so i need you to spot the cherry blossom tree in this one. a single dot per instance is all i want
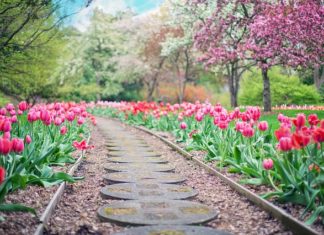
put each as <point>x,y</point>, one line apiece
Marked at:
<point>288,33</point>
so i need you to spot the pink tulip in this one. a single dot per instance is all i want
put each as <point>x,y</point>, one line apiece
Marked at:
<point>199,117</point>
<point>5,146</point>
<point>222,125</point>
<point>267,164</point>
<point>6,135</point>
<point>183,125</point>
<point>80,120</point>
<point>263,126</point>
<point>63,130</point>
<point>23,106</point>
<point>248,131</point>
<point>28,139</point>
<point>17,145</point>
<point>285,144</point>
<point>6,126</point>
<point>57,121</point>
<point>3,111</point>
<point>10,107</point>
<point>70,116</point>
<point>14,119</point>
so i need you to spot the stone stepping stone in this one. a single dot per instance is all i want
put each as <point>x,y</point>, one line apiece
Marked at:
<point>172,230</point>
<point>132,154</point>
<point>129,148</point>
<point>124,143</point>
<point>156,212</point>
<point>136,177</point>
<point>138,167</point>
<point>147,191</point>
<point>137,159</point>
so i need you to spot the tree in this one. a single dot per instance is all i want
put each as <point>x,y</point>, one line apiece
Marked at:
<point>286,33</point>
<point>267,32</point>
<point>178,47</point>
<point>220,36</point>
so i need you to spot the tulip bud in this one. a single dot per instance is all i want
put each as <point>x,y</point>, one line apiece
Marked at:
<point>63,130</point>
<point>267,164</point>
<point>28,139</point>
<point>80,120</point>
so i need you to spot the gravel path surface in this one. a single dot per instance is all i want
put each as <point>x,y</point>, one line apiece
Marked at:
<point>77,211</point>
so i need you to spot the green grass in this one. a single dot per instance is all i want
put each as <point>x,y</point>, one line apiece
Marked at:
<point>274,123</point>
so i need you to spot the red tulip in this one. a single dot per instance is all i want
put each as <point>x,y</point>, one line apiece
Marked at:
<point>2,174</point>
<point>17,145</point>
<point>82,145</point>
<point>299,121</point>
<point>299,140</point>
<point>282,132</point>
<point>222,125</point>
<point>5,146</point>
<point>313,120</point>
<point>267,164</point>
<point>318,135</point>
<point>285,144</point>
<point>263,126</point>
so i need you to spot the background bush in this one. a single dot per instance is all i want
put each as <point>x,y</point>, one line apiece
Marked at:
<point>285,89</point>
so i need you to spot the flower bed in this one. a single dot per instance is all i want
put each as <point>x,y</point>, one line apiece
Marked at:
<point>289,159</point>
<point>33,140</point>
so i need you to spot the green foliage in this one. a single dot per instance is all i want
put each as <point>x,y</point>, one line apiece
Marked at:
<point>285,89</point>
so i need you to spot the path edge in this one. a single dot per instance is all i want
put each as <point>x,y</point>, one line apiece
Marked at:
<point>46,215</point>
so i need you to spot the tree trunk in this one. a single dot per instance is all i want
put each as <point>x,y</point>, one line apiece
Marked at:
<point>266,91</point>
<point>233,83</point>
<point>153,83</point>
<point>318,77</point>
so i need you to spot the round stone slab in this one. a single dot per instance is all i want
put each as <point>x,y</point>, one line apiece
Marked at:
<point>133,154</point>
<point>136,177</point>
<point>172,230</point>
<point>112,167</point>
<point>147,191</point>
<point>137,159</point>
<point>153,212</point>
<point>130,148</point>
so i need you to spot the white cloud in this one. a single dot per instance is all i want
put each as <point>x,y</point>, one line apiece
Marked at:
<point>82,20</point>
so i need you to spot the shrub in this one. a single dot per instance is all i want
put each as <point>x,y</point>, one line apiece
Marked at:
<point>285,89</point>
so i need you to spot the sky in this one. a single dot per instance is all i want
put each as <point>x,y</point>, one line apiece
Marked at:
<point>81,20</point>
